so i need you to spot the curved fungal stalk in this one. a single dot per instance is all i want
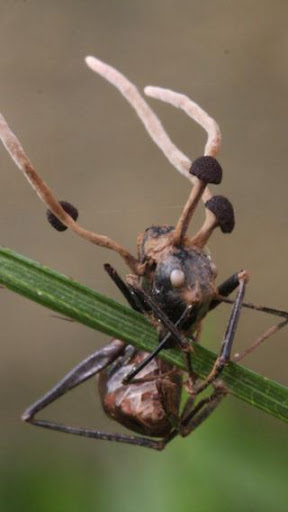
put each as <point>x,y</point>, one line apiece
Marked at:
<point>16,151</point>
<point>206,170</point>
<point>152,123</point>
<point>196,113</point>
<point>200,189</point>
<point>219,213</point>
<point>193,110</point>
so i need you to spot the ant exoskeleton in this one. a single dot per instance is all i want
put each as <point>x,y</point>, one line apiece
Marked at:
<point>172,283</point>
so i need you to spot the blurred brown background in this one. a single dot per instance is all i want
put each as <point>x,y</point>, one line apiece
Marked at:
<point>231,57</point>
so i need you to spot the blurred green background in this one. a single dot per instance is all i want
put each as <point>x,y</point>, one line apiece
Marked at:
<point>231,57</point>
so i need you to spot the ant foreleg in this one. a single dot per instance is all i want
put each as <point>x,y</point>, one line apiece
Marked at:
<point>164,342</point>
<point>227,342</point>
<point>82,372</point>
<point>128,292</point>
<point>160,315</point>
<point>226,288</point>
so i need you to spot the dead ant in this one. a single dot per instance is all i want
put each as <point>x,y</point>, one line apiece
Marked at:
<point>172,283</point>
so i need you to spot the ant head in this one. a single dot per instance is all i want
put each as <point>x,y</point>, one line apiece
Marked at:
<point>177,276</point>
<point>178,270</point>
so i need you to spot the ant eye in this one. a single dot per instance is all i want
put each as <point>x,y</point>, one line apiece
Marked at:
<point>177,278</point>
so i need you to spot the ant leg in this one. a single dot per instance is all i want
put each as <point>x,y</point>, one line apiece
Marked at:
<point>224,289</point>
<point>267,334</point>
<point>173,329</point>
<point>138,300</point>
<point>104,436</point>
<point>82,372</point>
<point>136,296</point>
<point>256,307</point>
<point>158,313</point>
<point>227,287</point>
<point>192,419</point>
<point>128,292</point>
<point>227,342</point>
<point>166,390</point>
<point>160,346</point>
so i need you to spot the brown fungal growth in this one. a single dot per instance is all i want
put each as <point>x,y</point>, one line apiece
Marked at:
<point>206,170</point>
<point>219,213</point>
<point>55,222</point>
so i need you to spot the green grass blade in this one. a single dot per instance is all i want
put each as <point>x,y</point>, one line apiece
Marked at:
<point>67,297</point>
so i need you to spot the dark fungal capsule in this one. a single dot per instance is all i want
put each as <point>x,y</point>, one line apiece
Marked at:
<point>55,222</point>
<point>207,169</point>
<point>223,211</point>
